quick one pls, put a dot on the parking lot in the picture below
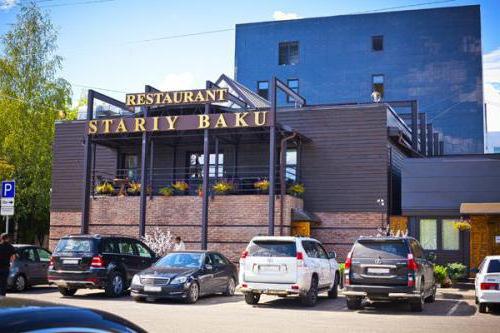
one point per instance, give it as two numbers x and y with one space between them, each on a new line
229 314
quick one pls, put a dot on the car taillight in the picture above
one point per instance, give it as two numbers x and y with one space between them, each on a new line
489 286
347 267
300 259
244 254
412 268
348 261
300 256
51 263
97 262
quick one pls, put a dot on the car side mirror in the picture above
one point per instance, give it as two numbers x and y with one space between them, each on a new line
209 267
332 255
474 270
431 256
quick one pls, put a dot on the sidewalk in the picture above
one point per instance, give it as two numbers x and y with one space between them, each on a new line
455 293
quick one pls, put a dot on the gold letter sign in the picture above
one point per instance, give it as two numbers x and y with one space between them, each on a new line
201 96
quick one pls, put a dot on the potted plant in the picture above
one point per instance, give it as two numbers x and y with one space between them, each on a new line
462 225
166 191
105 189
296 189
180 187
134 188
262 185
223 187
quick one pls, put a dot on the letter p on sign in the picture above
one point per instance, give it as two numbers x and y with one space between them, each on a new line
8 189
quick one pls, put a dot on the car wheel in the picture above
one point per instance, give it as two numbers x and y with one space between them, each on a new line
418 305
139 299
231 286
20 283
193 293
432 297
334 292
114 285
251 298
483 307
311 297
67 291
353 303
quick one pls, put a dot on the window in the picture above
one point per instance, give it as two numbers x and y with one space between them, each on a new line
494 266
263 89
125 247
428 234
143 252
373 249
131 166
378 84
288 53
196 161
28 254
110 246
43 255
450 235
293 84
218 260
377 43
291 165
272 249
321 251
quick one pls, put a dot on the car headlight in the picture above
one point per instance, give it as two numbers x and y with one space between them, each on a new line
179 280
136 279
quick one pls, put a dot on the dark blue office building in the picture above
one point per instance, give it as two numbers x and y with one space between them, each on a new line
432 56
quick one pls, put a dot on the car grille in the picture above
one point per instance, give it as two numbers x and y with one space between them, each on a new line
153 281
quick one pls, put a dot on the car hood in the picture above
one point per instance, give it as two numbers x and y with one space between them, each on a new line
169 272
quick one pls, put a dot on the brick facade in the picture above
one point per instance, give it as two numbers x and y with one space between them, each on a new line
233 220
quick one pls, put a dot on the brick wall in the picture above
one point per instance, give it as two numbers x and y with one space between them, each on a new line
338 231
233 220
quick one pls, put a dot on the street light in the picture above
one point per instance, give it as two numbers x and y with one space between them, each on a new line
381 204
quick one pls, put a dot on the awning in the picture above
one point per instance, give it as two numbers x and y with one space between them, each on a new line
480 208
302 215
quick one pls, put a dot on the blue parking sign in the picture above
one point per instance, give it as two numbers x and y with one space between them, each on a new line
8 189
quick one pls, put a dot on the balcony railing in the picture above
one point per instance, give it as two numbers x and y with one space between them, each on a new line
238 180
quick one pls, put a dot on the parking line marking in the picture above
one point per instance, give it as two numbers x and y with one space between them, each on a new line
453 308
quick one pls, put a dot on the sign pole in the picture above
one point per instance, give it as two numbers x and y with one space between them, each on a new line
7 224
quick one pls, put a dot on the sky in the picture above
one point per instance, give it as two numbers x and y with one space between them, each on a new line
118 46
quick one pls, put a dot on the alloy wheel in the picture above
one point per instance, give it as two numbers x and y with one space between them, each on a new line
20 283
118 284
194 292
231 287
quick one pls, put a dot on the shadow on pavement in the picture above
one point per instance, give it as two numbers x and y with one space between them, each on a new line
293 303
37 290
438 308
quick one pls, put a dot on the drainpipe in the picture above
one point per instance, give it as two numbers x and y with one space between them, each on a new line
282 177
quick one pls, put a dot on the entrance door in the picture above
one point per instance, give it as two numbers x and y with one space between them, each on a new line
195 162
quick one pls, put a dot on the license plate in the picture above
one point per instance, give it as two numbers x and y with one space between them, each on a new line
70 261
152 288
378 270
269 268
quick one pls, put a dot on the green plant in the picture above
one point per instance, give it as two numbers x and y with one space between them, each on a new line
440 273
134 188
341 269
262 185
180 186
166 191
462 225
296 189
223 187
456 271
105 188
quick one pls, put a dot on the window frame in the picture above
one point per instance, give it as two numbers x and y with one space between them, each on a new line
288 98
382 94
288 45
439 220
377 37
267 90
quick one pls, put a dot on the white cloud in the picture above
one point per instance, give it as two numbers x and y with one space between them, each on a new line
491 77
278 15
177 81
7 4
491 67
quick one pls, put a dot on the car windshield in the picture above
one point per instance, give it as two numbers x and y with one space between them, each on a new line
383 249
494 266
187 260
272 249
74 245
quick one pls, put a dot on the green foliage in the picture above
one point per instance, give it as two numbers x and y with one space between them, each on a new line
341 269
166 191
296 190
223 187
105 188
456 271
32 98
440 273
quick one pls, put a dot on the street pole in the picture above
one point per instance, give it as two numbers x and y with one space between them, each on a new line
7 224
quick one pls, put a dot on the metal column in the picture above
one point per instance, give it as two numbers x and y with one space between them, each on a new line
414 125
144 173
430 141
87 164
272 157
206 162
423 135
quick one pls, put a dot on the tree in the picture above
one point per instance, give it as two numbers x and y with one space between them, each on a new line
32 98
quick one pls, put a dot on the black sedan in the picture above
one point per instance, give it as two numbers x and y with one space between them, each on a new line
186 275
23 315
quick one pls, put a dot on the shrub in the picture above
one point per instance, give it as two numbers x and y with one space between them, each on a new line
341 269
223 187
462 226
456 271
296 189
262 185
166 191
105 188
180 186
440 273
158 241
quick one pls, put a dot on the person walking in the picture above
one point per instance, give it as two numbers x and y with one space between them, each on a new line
7 255
179 244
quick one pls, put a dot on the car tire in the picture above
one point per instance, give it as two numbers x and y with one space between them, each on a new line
418 305
483 308
115 285
432 297
353 303
231 286
67 291
139 299
20 283
311 297
334 292
251 298
193 293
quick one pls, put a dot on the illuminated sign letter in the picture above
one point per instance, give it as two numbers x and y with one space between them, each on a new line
240 119
155 124
171 122
93 127
107 124
139 125
204 121
131 100
221 122
260 118
121 128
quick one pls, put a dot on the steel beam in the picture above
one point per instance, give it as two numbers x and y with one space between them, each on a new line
414 125
87 165
423 135
205 185
144 173
430 140
272 157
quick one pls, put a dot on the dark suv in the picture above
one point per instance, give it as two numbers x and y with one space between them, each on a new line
96 261
388 268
